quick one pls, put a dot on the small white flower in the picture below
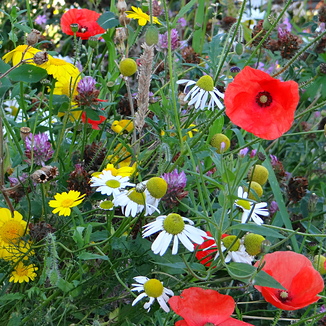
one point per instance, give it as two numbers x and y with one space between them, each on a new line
200 93
110 185
250 210
173 226
153 289
133 202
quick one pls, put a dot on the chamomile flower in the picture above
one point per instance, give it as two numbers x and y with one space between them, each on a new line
173 226
250 209
110 185
203 91
134 201
153 289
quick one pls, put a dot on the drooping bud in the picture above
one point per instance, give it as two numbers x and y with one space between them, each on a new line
40 57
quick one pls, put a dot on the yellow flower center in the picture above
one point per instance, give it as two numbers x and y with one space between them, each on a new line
137 197
67 202
245 204
284 295
113 183
157 187
107 204
227 241
264 99
174 224
11 231
153 288
21 270
206 83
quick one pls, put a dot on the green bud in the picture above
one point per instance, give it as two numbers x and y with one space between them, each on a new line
74 27
238 48
265 246
151 35
92 42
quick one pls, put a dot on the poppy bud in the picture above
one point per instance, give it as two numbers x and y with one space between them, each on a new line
40 58
128 67
74 27
220 142
253 243
33 37
238 48
234 71
24 132
259 174
151 35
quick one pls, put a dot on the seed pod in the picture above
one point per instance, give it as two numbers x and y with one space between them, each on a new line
151 35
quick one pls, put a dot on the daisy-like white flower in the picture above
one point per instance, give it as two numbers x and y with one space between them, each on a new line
173 226
250 209
200 93
134 201
153 289
110 185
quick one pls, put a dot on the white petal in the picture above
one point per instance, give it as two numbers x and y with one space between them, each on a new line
175 245
141 296
141 279
194 234
257 219
217 101
185 241
163 304
199 98
148 304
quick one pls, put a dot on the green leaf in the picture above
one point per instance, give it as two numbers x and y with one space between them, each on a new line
215 128
241 271
4 67
28 73
11 296
108 20
23 28
92 114
5 84
259 229
89 255
64 285
263 279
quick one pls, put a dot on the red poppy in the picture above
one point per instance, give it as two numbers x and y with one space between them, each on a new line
199 307
93 123
86 20
261 104
206 252
297 275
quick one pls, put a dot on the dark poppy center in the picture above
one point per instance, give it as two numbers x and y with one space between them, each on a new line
284 295
264 99
82 29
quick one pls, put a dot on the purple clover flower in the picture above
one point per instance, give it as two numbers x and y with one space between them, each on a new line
40 20
86 85
182 22
163 40
18 180
175 180
39 148
273 208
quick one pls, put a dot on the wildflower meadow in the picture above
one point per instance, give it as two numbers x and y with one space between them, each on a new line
162 162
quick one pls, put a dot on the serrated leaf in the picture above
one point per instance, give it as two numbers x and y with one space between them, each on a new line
108 20
28 73
259 229
89 255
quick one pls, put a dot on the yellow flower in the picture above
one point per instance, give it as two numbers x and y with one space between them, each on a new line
23 273
143 18
122 125
64 201
11 228
121 156
16 252
16 55
125 171
61 69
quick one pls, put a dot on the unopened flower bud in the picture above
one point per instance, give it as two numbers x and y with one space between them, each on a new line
33 37
234 71
151 35
320 264
74 27
121 5
312 202
238 49
40 58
